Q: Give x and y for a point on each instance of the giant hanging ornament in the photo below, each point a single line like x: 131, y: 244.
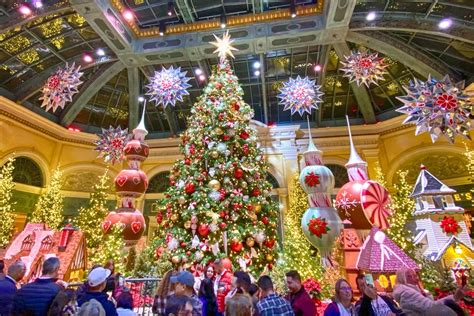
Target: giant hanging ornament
x: 438, y: 107
x: 320, y: 223
x: 130, y: 183
x: 300, y: 95
x: 364, y: 68
x: 363, y: 202
x: 111, y: 144
x: 60, y: 87
x: 168, y: 86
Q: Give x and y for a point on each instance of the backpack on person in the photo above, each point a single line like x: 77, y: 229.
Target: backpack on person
x: 91, y: 308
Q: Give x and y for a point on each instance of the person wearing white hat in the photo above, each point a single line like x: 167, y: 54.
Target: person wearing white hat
x: 96, y: 281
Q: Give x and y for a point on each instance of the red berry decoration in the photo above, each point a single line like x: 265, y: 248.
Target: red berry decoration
x: 244, y: 135
x: 203, y: 230
x: 190, y: 188
x: 311, y: 179
x: 238, y: 173
x: 265, y: 220
x: 318, y: 226
x: 256, y: 192
x: 450, y: 226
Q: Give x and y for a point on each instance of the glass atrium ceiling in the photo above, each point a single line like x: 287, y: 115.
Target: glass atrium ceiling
x: 32, y: 48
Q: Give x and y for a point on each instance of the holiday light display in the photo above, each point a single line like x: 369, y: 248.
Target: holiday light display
x: 111, y: 144
x: 300, y: 95
x: 61, y: 87
x: 168, y: 86
x: 364, y: 68
x: 438, y: 107
x: 6, y: 204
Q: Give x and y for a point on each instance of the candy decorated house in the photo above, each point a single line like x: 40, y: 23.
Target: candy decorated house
x: 36, y: 243
x: 440, y: 227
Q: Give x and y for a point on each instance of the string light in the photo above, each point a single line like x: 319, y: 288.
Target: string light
x: 25, y: 10
x: 128, y: 15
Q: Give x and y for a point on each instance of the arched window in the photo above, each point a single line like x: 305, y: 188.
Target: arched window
x: 273, y: 181
x: 27, y: 171
x: 159, y: 183
x: 340, y: 174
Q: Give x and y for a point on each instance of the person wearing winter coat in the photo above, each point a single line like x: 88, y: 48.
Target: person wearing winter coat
x: 414, y: 301
x: 97, y: 281
x: 8, y: 286
x: 222, y: 284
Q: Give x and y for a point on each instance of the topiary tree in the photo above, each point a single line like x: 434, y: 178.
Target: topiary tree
x: 49, y: 208
x: 6, y: 203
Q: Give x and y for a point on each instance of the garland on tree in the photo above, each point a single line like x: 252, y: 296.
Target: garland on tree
x: 49, y: 208
x: 6, y: 203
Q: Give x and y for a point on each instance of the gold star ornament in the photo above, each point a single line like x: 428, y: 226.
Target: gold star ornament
x: 224, y: 46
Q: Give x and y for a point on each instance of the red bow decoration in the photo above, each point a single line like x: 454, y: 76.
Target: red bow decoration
x: 450, y: 226
x: 318, y: 226
x: 311, y: 179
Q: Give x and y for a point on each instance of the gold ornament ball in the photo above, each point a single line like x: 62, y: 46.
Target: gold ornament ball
x: 174, y: 217
x: 214, y: 185
x: 243, y: 184
x: 181, y: 200
x: 269, y: 258
x: 214, y: 154
x: 219, y: 131
x: 187, y: 224
x: 257, y: 208
x: 176, y: 259
x: 250, y: 241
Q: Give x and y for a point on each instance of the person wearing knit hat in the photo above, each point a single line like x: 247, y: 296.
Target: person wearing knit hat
x: 96, y: 281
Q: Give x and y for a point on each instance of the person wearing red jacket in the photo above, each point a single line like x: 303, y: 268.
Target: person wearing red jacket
x: 222, y: 284
x: 299, y: 299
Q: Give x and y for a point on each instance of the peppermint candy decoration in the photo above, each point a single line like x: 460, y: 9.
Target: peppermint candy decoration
x: 375, y: 200
x: 364, y: 68
x: 60, y: 87
x: 111, y: 143
x: 168, y: 86
x: 437, y: 107
x: 300, y: 95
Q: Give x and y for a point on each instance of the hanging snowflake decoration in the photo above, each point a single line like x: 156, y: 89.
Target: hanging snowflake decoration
x: 437, y: 107
x: 364, y: 68
x: 60, y: 87
x: 300, y: 95
x: 111, y: 143
x: 168, y: 86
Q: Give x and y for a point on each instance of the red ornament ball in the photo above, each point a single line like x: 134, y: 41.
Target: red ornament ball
x: 265, y: 220
x: 244, y: 135
x: 190, y: 188
x: 219, y: 85
x: 236, y: 246
x: 238, y: 173
x: 203, y: 230
x: 256, y: 192
x: 223, y: 225
x: 187, y: 161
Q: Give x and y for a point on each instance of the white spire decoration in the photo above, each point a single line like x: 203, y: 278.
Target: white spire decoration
x: 356, y: 167
x: 140, y: 131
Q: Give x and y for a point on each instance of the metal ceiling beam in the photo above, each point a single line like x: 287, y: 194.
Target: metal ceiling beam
x: 133, y: 94
x: 360, y: 93
x: 185, y: 11
x: 16, y: 20
x: 406, y: 54
x: 88, y: 90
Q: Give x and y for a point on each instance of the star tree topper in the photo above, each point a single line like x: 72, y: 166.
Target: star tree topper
x: 438, y: 107
x: 224, y: 46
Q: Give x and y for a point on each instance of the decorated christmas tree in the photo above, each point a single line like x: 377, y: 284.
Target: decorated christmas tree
x: 402, y: 206
x: 89, y: 219
x: 49, y: 208
x: 218, y: 203
x: 112, y: 247
x: 6, y: 204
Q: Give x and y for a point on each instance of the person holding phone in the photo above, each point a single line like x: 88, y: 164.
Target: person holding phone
x: 370, y: 303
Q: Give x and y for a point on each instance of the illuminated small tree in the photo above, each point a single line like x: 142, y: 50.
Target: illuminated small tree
x: 6, y: 204
x: 49, y: 208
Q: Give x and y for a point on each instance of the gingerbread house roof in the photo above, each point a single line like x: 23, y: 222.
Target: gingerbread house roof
x: 379, y: 254
x: 36, y: 243
x: 428, y: 184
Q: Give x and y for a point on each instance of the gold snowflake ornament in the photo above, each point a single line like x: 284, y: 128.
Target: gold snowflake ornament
x: 224, y: 46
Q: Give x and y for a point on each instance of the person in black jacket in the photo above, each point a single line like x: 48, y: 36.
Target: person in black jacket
x: 372, y: 304
x: 207, y: 294
x: 8, y: 286
x: 35, y: 298
x: 96, y: 280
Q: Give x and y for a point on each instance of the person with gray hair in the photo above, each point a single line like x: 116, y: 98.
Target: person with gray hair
x: 36, y: 297
x: 8, y: 286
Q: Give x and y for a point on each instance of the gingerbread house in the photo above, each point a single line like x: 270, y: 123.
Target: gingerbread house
x: 381, y: 258
x: 37, y: 243
x: 440, y: 230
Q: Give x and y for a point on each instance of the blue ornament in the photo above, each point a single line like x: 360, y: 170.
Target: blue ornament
x: 300, y: 95
x: 168, y: 86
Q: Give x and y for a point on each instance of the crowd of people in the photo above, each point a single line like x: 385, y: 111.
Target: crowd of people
x: 214, y: 290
